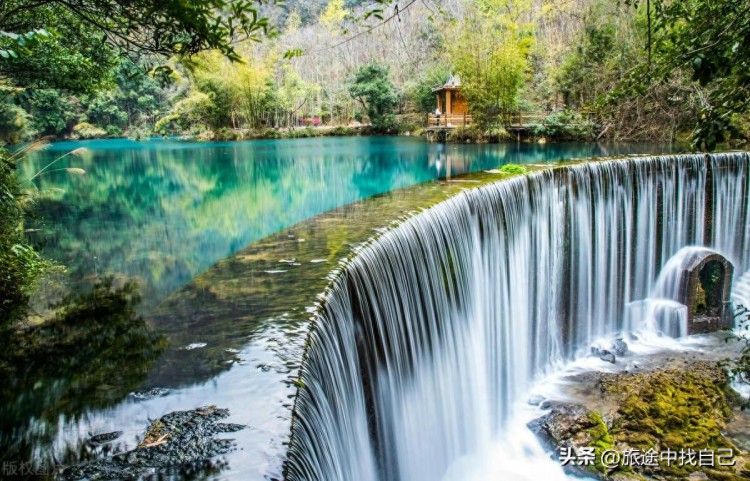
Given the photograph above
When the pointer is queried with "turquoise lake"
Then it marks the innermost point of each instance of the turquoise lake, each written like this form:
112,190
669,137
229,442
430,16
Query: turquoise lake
161,211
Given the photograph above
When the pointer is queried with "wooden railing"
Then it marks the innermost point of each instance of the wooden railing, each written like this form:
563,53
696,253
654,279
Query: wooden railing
516,120
448,121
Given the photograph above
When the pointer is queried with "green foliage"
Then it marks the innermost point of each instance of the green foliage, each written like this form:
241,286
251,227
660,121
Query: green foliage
134,102
52,112
73,58
597,56
334,15
478,134
490,50
15,124
708,39
566,125
167,27
85,130
420,93
372,87
20,265
514,169
13,45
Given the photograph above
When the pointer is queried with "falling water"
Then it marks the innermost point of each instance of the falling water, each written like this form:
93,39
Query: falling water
433,332
661,313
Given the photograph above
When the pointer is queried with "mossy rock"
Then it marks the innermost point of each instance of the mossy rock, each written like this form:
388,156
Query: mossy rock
679,408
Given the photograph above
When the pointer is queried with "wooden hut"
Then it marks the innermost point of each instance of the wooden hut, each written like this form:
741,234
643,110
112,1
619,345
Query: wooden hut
452,110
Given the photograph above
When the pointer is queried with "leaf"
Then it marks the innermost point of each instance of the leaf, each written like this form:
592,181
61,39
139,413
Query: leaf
290,54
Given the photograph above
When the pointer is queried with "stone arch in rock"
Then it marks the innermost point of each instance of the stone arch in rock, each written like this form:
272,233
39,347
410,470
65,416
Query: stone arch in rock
705,289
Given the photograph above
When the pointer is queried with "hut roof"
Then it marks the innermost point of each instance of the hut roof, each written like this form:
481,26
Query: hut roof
453,82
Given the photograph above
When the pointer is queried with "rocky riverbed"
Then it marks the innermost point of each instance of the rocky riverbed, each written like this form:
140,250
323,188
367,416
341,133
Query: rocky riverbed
667,416
178,443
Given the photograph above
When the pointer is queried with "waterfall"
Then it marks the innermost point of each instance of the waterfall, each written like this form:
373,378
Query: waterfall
433,331
661,313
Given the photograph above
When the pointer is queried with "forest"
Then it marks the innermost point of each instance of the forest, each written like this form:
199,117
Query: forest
624,70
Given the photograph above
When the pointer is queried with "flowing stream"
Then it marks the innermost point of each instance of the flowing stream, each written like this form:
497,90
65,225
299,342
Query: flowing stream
434,331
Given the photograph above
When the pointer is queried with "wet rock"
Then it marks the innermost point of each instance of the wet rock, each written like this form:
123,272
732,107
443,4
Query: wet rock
149,394
620,347
535,400
104,438
571,426
607,356
674,405
178,442
561,424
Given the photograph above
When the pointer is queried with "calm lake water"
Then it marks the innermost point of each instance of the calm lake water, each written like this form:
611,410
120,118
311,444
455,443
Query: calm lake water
230,243
161,212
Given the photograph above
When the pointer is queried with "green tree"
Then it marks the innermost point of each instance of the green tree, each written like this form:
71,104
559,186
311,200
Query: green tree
52,112
73,58
372,87
15,123
588,65
490,50
333,16
710,39
167,27
420,93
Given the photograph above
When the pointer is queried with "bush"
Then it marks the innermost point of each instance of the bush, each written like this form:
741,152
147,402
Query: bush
85,130
300,133
225,134
406,127
15,124
473,133
464,134
342,132
20,265
372,87
565,125
513,169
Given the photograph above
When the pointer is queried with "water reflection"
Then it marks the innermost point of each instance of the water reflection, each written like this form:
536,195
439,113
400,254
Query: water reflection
90,356
160,212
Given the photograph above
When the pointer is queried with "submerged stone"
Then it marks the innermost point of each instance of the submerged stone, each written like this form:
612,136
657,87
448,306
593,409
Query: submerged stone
607,356
178,442
149,393
535,400
620,347
104,438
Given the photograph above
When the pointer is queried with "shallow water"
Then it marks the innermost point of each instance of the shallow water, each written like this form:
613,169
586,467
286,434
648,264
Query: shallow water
231,242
